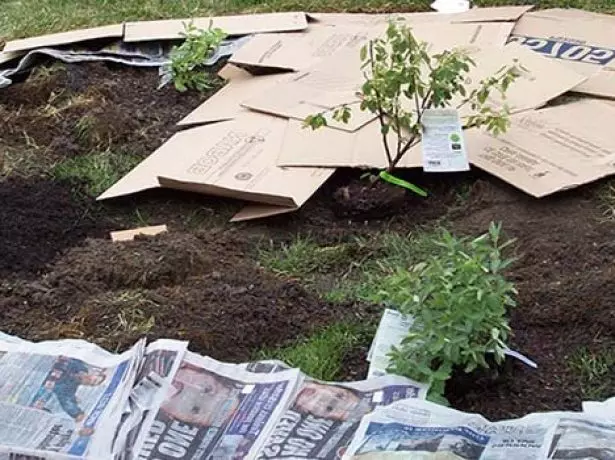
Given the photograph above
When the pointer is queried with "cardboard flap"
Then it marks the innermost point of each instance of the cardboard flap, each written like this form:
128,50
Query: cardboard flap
492,14
225,104
317,90
580,44
445,36
544,80
65,38
300,51
335,148
259,211
246,24
572,13
237,159
549,150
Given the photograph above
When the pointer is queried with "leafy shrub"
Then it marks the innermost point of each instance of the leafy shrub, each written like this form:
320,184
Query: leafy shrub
402,81
459,300
188,59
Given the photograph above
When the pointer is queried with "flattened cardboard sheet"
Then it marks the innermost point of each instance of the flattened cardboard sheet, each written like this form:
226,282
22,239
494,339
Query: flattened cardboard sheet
335,81
225,104
583,45
332,148
171,29
65,38
302,51
549,150
572,13
492,14
234,159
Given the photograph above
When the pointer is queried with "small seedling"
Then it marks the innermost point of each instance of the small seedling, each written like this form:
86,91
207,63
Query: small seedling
188,59
402,81
459,300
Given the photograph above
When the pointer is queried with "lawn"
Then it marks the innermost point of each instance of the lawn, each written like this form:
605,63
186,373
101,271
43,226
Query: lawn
297,287
22,18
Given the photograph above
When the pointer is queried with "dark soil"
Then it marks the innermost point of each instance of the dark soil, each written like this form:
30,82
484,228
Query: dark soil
366,200
39,219
81,107
60,276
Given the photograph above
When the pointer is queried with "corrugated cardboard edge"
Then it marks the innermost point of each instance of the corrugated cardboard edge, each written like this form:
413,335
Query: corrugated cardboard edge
258,211
171,29
492,14
129,235
65,38
215,190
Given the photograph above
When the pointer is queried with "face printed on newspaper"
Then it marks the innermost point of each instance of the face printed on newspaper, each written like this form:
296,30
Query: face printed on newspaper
216,412
55,401
323,418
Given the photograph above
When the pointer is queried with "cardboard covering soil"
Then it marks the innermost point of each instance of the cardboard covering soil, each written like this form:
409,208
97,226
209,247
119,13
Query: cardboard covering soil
225,104
492,14
234,159
586,46
549,150
171,29
302,51
360,145
65,38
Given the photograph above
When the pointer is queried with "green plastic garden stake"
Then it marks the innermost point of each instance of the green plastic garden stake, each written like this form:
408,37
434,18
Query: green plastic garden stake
385,176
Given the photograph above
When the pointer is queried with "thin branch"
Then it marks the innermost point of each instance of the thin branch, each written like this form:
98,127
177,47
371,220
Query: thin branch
385,139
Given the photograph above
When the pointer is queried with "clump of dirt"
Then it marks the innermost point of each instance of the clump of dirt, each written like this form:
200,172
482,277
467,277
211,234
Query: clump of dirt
101,265
93,106
199,288
366,200
38,220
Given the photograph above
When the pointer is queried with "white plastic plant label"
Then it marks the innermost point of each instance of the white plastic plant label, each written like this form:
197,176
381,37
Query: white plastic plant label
443,144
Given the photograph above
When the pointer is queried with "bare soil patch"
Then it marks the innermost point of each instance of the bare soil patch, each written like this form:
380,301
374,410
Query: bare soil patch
60,276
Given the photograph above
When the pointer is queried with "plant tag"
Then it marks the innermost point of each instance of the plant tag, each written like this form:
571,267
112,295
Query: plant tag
443,144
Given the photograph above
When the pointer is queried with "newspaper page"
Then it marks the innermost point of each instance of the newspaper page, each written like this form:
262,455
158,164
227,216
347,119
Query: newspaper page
142,54
323,417
422,430
605,409
392,329
215,410
161,361
579,436
62,401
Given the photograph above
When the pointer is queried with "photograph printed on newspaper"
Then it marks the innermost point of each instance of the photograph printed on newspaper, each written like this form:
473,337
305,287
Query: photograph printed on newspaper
62,399
422,430
323,417
215,410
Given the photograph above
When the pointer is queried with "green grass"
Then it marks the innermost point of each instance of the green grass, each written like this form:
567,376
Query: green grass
95,172
595,371
22,18
349,270
321,355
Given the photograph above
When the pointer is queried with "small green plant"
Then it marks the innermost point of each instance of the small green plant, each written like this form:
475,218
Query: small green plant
459,301
188,59
402,81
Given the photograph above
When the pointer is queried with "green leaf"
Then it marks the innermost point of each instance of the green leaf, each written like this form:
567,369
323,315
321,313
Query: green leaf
385,176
